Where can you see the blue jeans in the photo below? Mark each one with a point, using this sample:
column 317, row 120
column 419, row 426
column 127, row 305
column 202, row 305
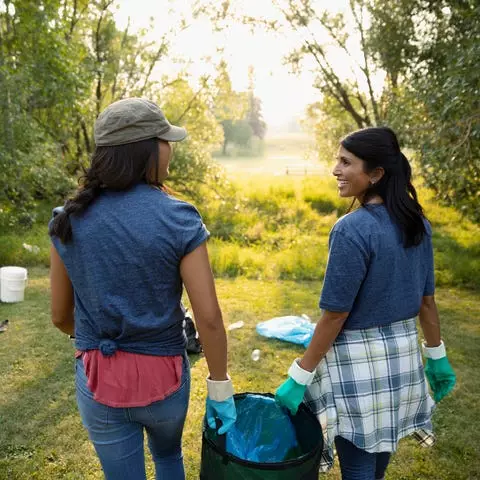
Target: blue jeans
column 117, row 433
column 357, row 464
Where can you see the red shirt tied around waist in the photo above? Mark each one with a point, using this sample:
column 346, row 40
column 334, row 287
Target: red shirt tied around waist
column 129, row 379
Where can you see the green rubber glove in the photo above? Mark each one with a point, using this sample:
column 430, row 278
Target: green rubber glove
column 440, row 376
column 291, row 392
column 290, row 395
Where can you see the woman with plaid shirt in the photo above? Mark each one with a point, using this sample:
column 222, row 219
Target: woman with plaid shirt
column 362, row 373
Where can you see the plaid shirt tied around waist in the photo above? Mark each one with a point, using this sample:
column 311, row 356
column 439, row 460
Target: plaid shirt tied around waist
column 371, row 390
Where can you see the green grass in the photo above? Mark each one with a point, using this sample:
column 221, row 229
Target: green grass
column 41, row 436
column 278, row 229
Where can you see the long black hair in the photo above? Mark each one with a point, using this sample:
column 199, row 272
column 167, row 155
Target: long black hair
column 116, row 168
column 379, row 147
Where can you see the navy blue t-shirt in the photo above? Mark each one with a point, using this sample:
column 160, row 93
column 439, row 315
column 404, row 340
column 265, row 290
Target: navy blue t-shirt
column 371, row 274
column 124, row 265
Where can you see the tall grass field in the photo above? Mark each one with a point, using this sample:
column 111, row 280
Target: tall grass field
column 268, row 250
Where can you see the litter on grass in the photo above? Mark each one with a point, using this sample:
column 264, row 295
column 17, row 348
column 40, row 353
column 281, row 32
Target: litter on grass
column 236, row 325
column 290, row 328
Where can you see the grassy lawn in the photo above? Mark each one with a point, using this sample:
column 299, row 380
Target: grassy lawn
column 41, row 435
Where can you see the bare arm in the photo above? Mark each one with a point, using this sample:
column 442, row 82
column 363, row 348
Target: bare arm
column 198, row 280
column 62, row 294
column 326, row 331
column 429, row 321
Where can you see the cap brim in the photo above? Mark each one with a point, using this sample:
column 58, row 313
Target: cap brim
column 175, row 134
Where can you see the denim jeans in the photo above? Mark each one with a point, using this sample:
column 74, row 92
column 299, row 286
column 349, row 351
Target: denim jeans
column 117, row 433
column 357, row 464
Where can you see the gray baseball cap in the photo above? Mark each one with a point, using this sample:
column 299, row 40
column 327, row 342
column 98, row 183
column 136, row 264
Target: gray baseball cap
column 132, row 120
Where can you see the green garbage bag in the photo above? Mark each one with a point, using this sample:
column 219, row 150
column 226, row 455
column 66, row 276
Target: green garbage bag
column 301, row 463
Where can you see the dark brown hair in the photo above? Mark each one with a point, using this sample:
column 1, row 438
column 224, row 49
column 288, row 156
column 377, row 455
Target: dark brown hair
column 116, row 168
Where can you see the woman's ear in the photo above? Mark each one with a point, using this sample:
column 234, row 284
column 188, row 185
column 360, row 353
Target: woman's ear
column 376, row 175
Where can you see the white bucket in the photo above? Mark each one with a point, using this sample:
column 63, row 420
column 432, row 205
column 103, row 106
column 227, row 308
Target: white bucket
column 13, row 281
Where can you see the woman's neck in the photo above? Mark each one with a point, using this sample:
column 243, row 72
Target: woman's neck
column 376, row 199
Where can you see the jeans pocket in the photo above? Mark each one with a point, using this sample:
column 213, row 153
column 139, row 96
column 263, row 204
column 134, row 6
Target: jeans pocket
column 184, row 381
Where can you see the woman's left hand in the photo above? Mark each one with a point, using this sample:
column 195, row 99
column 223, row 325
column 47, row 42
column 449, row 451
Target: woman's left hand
column 441, row 377
column 439, row 373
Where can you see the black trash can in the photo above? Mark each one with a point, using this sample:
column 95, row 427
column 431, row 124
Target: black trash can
column 218, row 464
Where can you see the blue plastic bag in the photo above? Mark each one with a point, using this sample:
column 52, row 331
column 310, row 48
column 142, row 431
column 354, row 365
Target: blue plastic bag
column 263, row 432
column 291, row 328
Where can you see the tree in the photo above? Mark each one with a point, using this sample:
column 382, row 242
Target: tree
column 61, row 63
column 311, row 23
column 41, row 75
column 192, row 166
column 329, row 123
column 254, row 113
column 242, row 133
column 436, row 106
column 229, row 105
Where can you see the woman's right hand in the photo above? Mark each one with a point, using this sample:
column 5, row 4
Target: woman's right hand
column 290, row 395
column 224, row 411
column 291, row 392
column 220, row 404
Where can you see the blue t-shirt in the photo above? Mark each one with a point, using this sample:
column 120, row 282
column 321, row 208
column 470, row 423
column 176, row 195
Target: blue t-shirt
column 124, row 265
column 371, row 274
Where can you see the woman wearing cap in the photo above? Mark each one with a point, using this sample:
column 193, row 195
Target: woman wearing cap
column 121, row 250
column 362, row 373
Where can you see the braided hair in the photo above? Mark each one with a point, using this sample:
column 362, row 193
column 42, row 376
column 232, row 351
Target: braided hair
column 115, row 168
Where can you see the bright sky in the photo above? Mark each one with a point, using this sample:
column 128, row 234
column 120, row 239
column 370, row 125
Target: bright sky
column 284, row 96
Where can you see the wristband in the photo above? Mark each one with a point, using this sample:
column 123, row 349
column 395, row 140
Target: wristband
column 299, row 375
column 219, row 390
column 434, row 352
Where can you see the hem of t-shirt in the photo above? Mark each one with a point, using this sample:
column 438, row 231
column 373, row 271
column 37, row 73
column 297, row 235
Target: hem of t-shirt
column 55, row 242
column 202, row 237
column 334, row 308
column 428, row 294
column 351, row 326
column 156, row 352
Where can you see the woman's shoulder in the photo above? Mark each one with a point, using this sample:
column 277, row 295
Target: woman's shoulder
column 362, row 224
column 360, row 218
column 163, row 197
column 176, row 205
